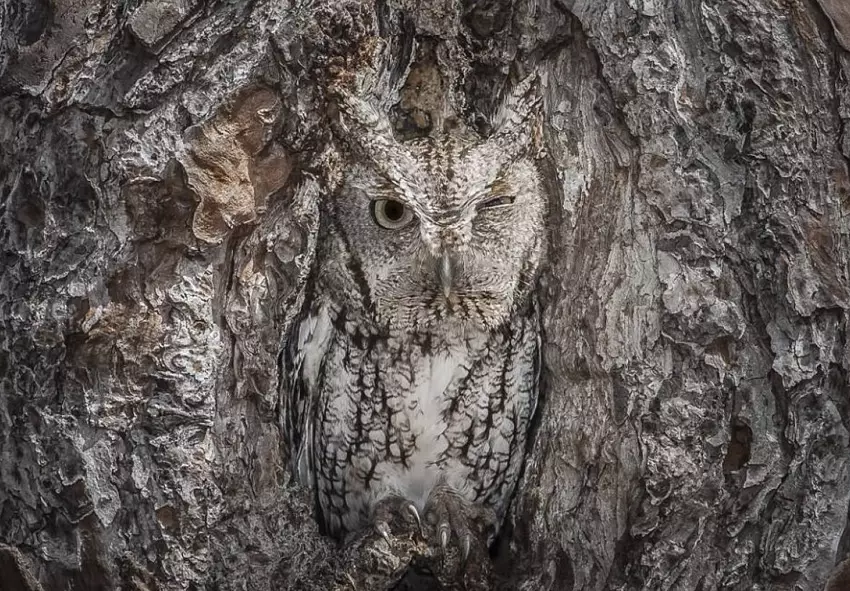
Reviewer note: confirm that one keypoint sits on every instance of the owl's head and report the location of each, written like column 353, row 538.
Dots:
column 440, row 232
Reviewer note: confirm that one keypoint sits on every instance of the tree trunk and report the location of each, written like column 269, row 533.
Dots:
column 159, row 162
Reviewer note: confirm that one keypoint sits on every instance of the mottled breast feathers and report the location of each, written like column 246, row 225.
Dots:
column 413, row 366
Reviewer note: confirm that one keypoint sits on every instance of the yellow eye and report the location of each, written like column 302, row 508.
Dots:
column 391, row 214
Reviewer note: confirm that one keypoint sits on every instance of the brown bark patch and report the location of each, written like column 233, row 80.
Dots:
column 230, row 164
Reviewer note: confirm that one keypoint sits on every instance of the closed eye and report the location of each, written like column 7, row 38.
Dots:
column 501, row 201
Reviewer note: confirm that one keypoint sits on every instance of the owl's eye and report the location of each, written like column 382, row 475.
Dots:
column 391, row 214
column 502, row 201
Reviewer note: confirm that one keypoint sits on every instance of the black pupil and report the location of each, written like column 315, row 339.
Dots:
column 393, row 210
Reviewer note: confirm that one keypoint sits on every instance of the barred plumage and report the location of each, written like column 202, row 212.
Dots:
column 414, row 366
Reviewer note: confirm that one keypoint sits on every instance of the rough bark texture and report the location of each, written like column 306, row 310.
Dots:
column 158, row 159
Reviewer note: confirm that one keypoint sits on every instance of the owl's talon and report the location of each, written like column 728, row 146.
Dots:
column 465, row 546
column 444, row 536
column 411, row 508
column 455, row 521
column 383, row 530
column 398, row 516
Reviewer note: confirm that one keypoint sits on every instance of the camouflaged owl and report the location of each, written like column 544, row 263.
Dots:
column 412, row 371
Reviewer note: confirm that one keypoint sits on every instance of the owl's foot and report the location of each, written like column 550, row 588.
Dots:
column 377, row 556
column 398, row 516
column 459, row 528
column 449, row 540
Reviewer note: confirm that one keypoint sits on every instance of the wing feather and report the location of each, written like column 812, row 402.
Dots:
column 307, row 344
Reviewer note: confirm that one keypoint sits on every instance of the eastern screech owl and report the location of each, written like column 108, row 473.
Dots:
column 413, row 368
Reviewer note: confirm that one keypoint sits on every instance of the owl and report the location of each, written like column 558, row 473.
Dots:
column 412, row 370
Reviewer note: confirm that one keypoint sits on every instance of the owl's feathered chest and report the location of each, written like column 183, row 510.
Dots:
column 398, row 414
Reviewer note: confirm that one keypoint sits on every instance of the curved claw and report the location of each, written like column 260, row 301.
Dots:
column 444, row 536
column 383, row 530
column 465, row 544
column 411, row 508
column 454, row 520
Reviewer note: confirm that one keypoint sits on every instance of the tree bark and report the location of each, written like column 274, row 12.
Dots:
column 159, row 162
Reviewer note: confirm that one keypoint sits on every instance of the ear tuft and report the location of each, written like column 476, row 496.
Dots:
column 522, row 102
column 518, row 121
column 355, row 116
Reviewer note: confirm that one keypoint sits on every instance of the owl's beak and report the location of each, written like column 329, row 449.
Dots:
column 444, row 270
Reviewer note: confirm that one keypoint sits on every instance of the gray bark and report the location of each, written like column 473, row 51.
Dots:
column 158, row 159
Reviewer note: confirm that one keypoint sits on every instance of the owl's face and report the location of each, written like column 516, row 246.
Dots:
column 444, row 232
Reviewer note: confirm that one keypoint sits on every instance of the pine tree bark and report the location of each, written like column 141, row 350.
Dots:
column 158, row 159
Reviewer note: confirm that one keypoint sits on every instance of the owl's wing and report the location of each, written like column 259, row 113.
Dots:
column 306, row 345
